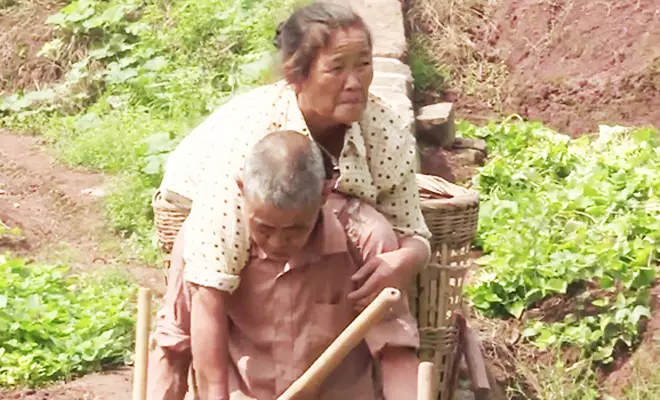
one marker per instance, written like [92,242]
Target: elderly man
[306,246]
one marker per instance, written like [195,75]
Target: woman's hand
[392,269]
[384,270]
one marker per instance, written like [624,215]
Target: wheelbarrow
[347,340]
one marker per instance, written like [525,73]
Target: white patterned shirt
[377,165]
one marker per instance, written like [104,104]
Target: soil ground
[111,385]
[572,64]
[23,32]
[575,64]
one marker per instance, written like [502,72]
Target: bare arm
[209,335]
[416,251]
[399,366]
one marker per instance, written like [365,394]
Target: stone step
[392,65]
[393,81]
[435,124]
[385,21]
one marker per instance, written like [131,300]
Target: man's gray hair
[284,169]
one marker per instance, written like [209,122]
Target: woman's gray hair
[284,169]
[307,31]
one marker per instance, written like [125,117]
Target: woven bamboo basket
[168,219]
[451,214]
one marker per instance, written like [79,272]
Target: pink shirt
[285,314]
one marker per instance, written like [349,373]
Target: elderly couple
[303,206]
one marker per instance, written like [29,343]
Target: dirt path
[60,214]
[59,211]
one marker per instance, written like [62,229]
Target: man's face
[338,83]
[281,233]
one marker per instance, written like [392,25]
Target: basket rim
[469,199]
[447,194]
[459,268]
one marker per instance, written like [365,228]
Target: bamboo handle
[347,340]
[425,381]
[141,344]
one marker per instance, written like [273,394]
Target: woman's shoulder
[384,128]
[249,110]
[251,99]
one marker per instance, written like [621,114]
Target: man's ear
[328,187]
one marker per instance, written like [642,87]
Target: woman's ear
[239,183]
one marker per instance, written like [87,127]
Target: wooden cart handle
[141,344]
[474,359]
[425,381]
[347,340]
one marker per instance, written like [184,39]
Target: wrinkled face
[337,86]
[280,233]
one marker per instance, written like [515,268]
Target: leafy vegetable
[560,213]
[55,326]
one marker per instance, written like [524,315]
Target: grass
[645,379]
[559,380]
[141,75]
[447,52]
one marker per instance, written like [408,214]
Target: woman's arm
[216,250]
[399,202]
[209,342]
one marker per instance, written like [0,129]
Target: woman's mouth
[352,99]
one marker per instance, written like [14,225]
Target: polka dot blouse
[376,164]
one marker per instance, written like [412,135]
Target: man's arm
[209,342]
[399,366]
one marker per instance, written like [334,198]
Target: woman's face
[337,86]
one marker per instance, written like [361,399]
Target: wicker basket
[451,214]
[168,219]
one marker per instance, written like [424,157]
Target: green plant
[579,216]
[427,72]
[56,325]
[140,72]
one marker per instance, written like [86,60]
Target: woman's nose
[353,81]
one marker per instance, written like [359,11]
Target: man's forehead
[272,216]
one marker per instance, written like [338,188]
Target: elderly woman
[326,55]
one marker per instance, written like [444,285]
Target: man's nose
[278,240]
